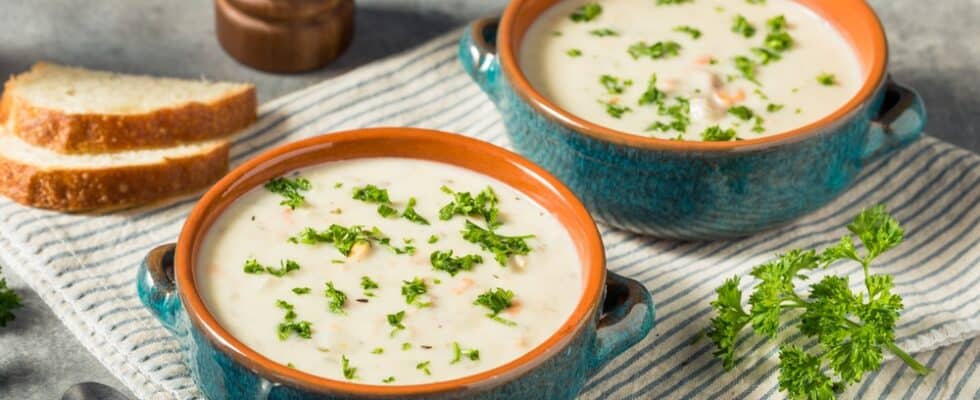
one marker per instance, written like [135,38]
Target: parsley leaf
[395,320]
[613,85]
[444,261]
[655,51]
[349,372]
[424,367]
[496,300]
[694,32]
[772,107]
[852,329]
[587,12]
[345,238]
[777,23]
[9,301]
[716,134]
[411,215]
[827,79]
[672,2]
[765,55]
[502,247]
[652,95]
[465,204]
[741,112]
[387,211]
[285,266]
[289,190]
[458,353]
[289,325]
[615,110]
[367,284]
[302,290]
[779,41]
[335,299]
[747,67]
[413,290]
[604,32]
[574,53]
[372,194]
[743,27]
[389,379]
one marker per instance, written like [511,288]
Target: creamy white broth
[573,83]
[546,282]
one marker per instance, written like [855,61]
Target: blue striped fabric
[84,266]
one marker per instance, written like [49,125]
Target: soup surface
[357,283]
[690,69]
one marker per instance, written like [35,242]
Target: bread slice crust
[76,133]
[111,188]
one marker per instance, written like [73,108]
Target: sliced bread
[38,177]
[76,110]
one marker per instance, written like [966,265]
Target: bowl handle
[900,120]
[478,54]
[155,285]
[627,317]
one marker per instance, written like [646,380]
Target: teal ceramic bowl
[699,190]
[612,314]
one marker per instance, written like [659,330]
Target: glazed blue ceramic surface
[697,194]
[624,318]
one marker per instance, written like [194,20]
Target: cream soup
[389,305]
[691,70]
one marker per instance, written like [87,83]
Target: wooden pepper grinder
[284,36]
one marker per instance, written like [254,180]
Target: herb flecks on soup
[690,69]
[354,272]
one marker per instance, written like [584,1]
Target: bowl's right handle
[478,54]
[156,287]
[627,317]
[900,120]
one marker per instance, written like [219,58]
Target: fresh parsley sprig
[852,329]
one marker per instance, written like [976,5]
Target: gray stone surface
[933,47]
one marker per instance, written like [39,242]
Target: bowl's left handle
[478,54]
[156,287]
[627,317]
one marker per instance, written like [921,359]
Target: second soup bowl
[699,190]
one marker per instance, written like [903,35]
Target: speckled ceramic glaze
[699,190]
[613,312]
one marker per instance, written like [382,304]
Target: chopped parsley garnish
[679,113]
[378,350]
[615,110]
[387,211]
[773,107]
[406,346]
[458,353]
[291,365]
[777,23]
[411,215]
[741,112]
[289,325]
[501,246]
[672,2]
[852,330]
[613,85]
[444,261]
[289,189]
[389,379]
[747,67]
[367,284]
[335,299]
[395,320]
[690,30]
[465,204]
[574,53]
[765,55]
[433,239]
[827,79]
[655,51]
[760,93]
[496,300]
[779,41]
[756,1]
[349,372]
[414,289]
[338,185]
[757,125]
[285,266]
[9,301]
[652,95]
[742,26]
[302,290]
[716,134]
[604,32]
[424,367]
[587,12]
[372,194]
[344,238]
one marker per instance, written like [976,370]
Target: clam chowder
[343,271]
[713,70]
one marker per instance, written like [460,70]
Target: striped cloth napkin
[84,266]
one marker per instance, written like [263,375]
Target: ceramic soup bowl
[699,190]
[612,314]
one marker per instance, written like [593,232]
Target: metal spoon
[92,391]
